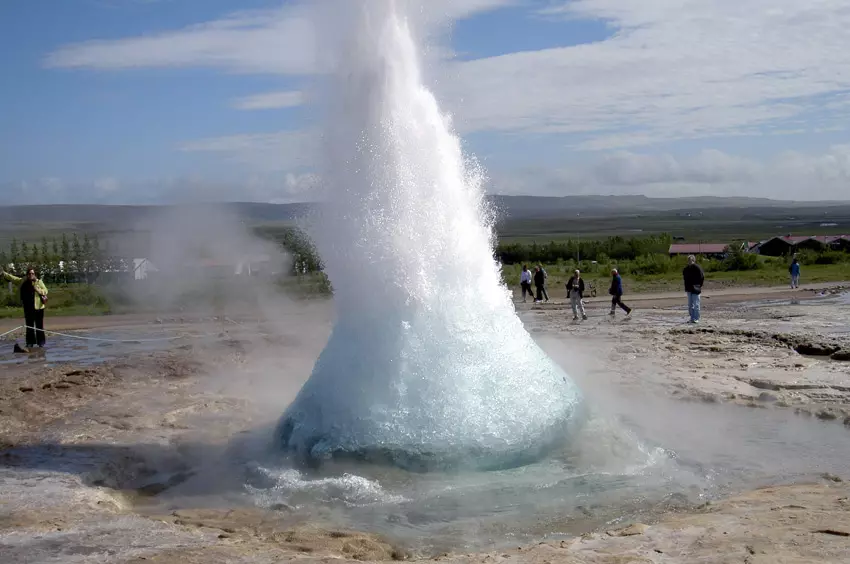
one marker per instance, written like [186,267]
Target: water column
[428,365]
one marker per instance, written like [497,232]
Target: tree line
[602,250]
[62,260]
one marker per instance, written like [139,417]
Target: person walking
[33,294]
[616,291]
[794,270]
[545,278]
[539,282]
[525,282]
[575,292]
[694,278]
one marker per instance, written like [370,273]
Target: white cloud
[789,175]
[264,41]
[279,151]
[269,41]
[673,69]
[270,100]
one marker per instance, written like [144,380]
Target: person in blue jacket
[616,292]
[794,270]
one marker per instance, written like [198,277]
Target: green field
[70,299]
[599,275]
[603,232]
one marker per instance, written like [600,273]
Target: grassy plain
[535,224]
[776,274]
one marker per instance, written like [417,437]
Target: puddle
[86,348]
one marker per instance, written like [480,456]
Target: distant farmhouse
[789,244]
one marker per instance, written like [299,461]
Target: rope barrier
[84,338]
[102,339]
[105,340]
[10,332]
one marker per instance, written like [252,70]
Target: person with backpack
[794,271]
[694,278]
[616,291]
[33,294]
[575,292]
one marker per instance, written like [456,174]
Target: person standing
[575,292]
[33,294]
[794,270]
[694,278]
[545,278]
[539,282]
[525,282]
[616,291]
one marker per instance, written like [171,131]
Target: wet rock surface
[122,433]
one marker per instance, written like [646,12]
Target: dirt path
[663,299]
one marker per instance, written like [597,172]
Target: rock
[826,415]
[630,531]
[831,478]
[25,389]
[19,349]
[767,397]
[847,421]
[842,355]
[813,348]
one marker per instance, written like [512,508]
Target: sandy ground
[745,353]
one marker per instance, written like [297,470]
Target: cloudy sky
[130,101]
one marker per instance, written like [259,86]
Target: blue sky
[155,100]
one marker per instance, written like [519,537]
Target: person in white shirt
[525,282]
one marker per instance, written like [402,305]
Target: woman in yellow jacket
[34,299]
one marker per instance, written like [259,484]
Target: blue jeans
[693,306]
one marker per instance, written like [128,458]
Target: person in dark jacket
[694,278]
[616,291]
[539,282]
[545,278]
[34,299]
[575,292]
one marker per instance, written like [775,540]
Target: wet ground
[161,449]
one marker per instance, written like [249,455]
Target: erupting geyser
[428,366]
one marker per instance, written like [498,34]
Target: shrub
[739,260]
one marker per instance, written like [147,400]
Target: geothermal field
[432,416]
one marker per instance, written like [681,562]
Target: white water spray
[428,365]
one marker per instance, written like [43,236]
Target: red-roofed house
[714,250]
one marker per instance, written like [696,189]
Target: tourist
[694,279]
[545,278]
[539,282]
[33,294]
[616,291]
[525,282]
[575,292]
[794,269]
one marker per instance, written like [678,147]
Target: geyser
[428,365]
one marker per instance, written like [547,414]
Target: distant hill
[509,207]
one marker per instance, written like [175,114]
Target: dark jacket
[571,286]
[694,278]
[616,288]
[539,279]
